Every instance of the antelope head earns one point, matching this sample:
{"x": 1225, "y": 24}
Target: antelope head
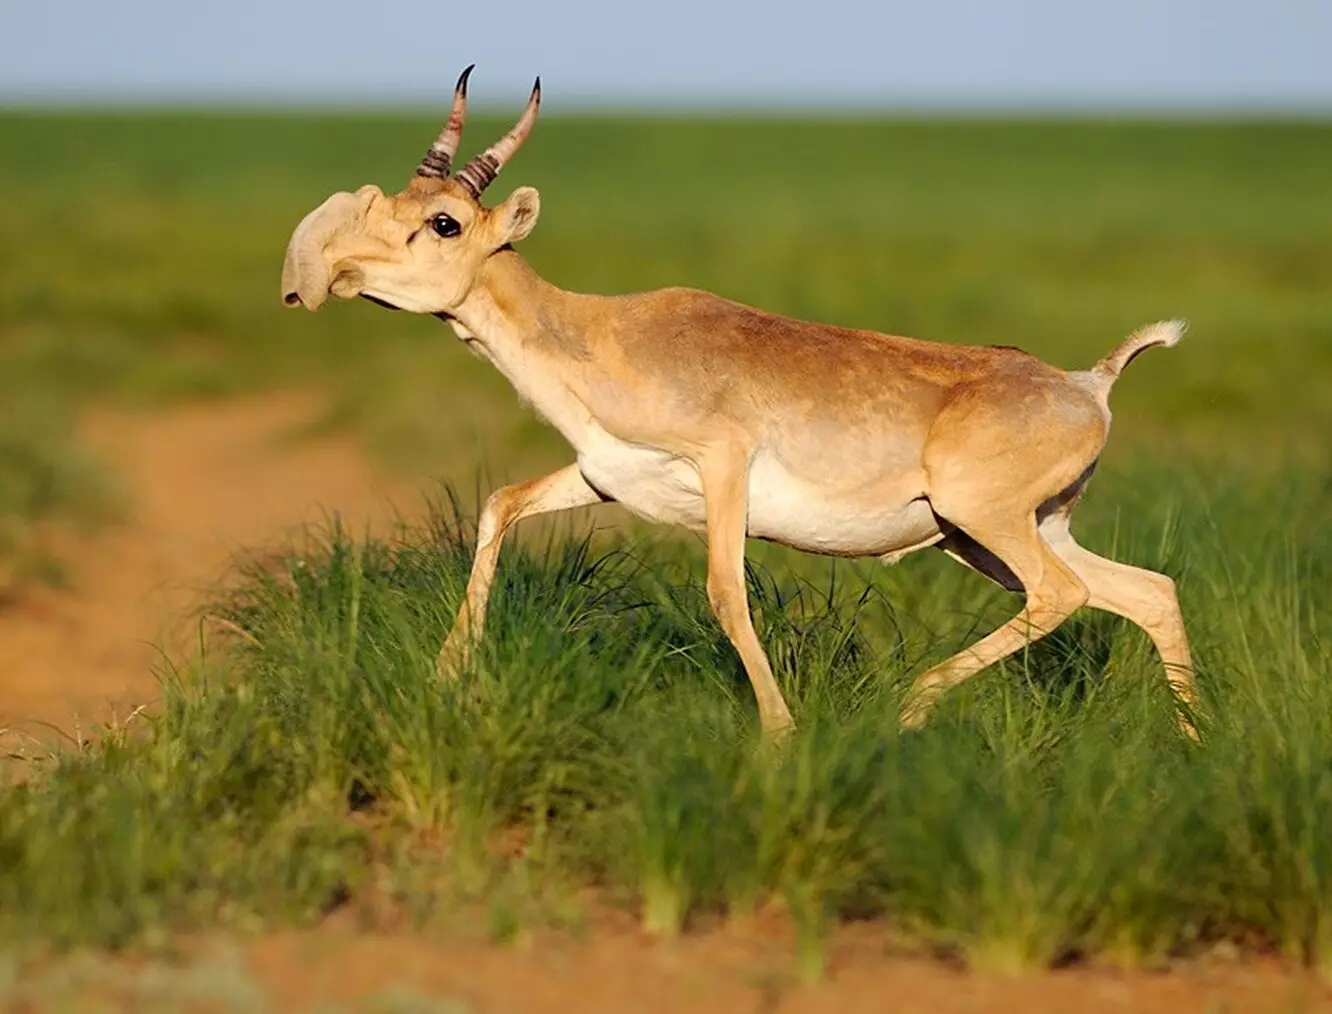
{"x": 420, "y": 249}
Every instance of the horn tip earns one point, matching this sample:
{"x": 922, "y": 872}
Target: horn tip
{"x": 461, "y": 87}
{"x": 536, "y": 88}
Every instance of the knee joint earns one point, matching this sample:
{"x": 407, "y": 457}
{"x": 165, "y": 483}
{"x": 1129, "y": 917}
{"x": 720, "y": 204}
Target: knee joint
{"x": 1060, "y": 597}
{"x": 1162, "y": 601}
{"x": 1163, "y": 589}
{"x": 497, "y": 515}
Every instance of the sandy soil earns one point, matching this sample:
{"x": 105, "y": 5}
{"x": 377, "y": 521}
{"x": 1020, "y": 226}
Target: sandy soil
{"x": 204, "y": 483}
{"x": 727, "y": 971}
{"x": 617, "y": 970}
{"x": 208, "y": 481}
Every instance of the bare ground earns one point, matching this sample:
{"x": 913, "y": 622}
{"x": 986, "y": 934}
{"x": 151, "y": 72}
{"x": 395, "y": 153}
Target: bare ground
{"x": 750, "y": 969}
{"x": 207, "y": 481}
{"x": 617, "y": 970}
{"x": 204, "y": 482}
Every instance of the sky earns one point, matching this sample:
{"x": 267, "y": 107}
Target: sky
{"x": 1222, "y": 55}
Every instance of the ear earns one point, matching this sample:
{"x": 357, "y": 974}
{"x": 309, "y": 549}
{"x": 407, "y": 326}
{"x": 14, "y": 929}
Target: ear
{"x": 516, "y": 217}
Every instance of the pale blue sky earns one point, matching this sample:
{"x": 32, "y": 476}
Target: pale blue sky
{"x": 1133, "y": 54}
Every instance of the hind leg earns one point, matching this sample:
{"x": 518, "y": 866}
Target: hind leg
{"x": 1053, "y": 591}
{"x": 1143, "y": 597}
{"x": 998, "y": 450}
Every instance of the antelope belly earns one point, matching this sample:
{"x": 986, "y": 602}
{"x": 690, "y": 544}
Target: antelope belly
{"x": 876, "y": 519}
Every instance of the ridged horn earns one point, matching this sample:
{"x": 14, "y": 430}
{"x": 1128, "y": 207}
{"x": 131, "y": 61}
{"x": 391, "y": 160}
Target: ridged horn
{"x": 481, "y": 171}
{"x": 438, "y": 160}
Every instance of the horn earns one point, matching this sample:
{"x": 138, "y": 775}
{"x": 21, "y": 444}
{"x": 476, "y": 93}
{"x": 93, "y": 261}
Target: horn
{"x": 481, "y": 171}
{"x": 439, "y": 159}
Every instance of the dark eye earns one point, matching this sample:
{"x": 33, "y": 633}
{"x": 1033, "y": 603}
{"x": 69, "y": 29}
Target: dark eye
{"x": 446, "y": 226}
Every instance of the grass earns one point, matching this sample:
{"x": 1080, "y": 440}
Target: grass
{"x": 1050, "y": 811}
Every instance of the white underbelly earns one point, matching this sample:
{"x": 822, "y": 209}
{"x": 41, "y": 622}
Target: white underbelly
{"x": 651, "y": 483}
{"x": 878, "y": 519}
{"x": 782, "y": 508}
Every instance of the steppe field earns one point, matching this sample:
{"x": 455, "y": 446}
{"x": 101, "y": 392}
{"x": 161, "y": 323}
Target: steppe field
{"x": 232, "y": 537}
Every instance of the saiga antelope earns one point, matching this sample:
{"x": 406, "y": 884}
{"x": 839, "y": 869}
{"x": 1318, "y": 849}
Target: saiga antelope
{"x": 690, "y": 409}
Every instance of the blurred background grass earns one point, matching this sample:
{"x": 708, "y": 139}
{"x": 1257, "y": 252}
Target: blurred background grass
{"x": 153, "y": 277}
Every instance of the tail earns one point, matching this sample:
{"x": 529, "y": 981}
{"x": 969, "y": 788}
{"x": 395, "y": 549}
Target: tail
{"x": 1164, "y": 332}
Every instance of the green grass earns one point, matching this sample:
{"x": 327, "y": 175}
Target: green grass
{"x": 1049, "y": 811}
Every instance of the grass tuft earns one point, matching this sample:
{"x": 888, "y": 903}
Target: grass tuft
{"x": 605, "y": 737}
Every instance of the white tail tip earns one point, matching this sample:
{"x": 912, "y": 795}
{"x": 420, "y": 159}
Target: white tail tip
{"x": 1165, "y": 332}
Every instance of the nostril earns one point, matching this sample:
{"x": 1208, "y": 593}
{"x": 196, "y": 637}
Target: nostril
{"x": 292, "y": 299}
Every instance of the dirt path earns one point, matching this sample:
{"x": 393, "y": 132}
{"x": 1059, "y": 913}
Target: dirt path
{"x": 617, "y": 970}
{"x": 205, "y": 482}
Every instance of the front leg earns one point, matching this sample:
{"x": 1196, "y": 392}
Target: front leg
{"x": 725, "y": 476}
{"x": 558, "y": 491}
